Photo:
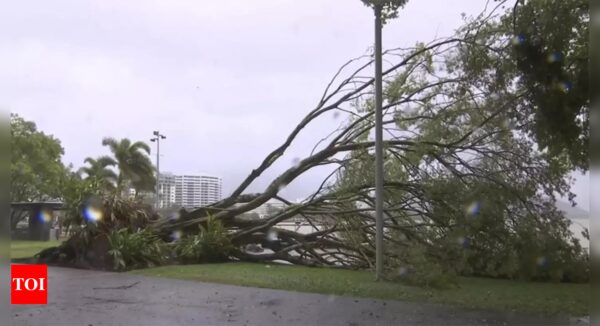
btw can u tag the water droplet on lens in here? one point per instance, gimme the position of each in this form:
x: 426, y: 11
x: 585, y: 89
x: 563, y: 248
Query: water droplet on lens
x: 296, y: 162
x: 554, y: 57
x: 135, y: 177
x: 45, y: 216
x: 473, y: 208
x: 509, y: 124
x: 518, y: 39
x: 176, y: 235
x: 173, y: 216
x: 272, y: 235
x: 92, y: 214
x: 565, y: 87
x: 403, y: 271
x: 542, y: 261
x: 464, y: 242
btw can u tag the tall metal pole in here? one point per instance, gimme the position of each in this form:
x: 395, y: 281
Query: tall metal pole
x: 157, y: 172
x: 378, y: 149
x: 157, y: 138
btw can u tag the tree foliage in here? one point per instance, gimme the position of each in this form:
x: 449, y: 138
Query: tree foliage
x: 75, y: 194
x: 134, y: 165
x: 547, y: 59
x: 36, y: 168
x: 99, y: 169
x: 389, y: 8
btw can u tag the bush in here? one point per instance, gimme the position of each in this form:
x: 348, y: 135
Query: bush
x: 109, y: 232
x: 211, y: 244
x: 538, y: 252
x: 135, y: 250
x: 414, y: 265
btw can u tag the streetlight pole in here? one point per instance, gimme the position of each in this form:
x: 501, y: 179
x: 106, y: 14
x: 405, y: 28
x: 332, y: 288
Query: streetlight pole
x: 378, y: 148
x: 157, y: 137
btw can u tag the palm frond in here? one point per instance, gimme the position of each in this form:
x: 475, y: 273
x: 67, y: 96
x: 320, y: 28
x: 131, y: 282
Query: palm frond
x: 90, y: 161
x: 140, y: 145
x: 110, y: 142
x: 106, y: 160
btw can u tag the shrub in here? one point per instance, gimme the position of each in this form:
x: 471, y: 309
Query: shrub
x: 211, y: 244
x: 135, y: 250
x: 539, y: 252
x: 415, y: 265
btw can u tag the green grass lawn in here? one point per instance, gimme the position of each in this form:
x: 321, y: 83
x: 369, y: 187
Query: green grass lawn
x: 27, y: 249
x: 481, y: 293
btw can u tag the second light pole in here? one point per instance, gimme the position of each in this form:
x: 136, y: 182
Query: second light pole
x: 157, y: 137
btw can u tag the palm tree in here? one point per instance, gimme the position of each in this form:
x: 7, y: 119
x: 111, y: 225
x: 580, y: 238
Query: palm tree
x: 100, y: 169
x: 135, y: 167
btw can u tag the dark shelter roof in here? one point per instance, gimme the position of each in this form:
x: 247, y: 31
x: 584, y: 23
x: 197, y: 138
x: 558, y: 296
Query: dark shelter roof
x: 53, y: 205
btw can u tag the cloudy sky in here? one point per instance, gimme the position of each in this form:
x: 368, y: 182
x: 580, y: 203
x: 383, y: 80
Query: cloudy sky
x: 223, y: 80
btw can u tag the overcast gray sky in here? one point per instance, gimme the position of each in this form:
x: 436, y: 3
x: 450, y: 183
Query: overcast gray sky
x: 224, y: 80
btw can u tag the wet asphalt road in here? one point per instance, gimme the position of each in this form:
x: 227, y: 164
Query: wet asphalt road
x: 81, y: 297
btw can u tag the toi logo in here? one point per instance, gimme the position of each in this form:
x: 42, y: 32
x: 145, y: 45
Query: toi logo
x: 29, y: 284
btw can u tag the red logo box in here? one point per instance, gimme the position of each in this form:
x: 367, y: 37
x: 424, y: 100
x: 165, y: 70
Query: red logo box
x: 29, y: 284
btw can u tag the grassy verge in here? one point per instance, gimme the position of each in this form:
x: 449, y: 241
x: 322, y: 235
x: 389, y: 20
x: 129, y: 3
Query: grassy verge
x: 27, y: 249
x: 480, y: 293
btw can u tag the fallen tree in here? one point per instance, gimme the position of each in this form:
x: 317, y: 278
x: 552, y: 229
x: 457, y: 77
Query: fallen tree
x: 466, y: 189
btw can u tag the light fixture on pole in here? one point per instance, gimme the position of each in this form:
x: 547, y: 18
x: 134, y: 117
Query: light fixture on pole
x: 157, y: 137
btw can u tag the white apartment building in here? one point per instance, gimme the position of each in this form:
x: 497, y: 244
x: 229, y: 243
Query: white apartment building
x: 166, y: 189
x: 189, y: 190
